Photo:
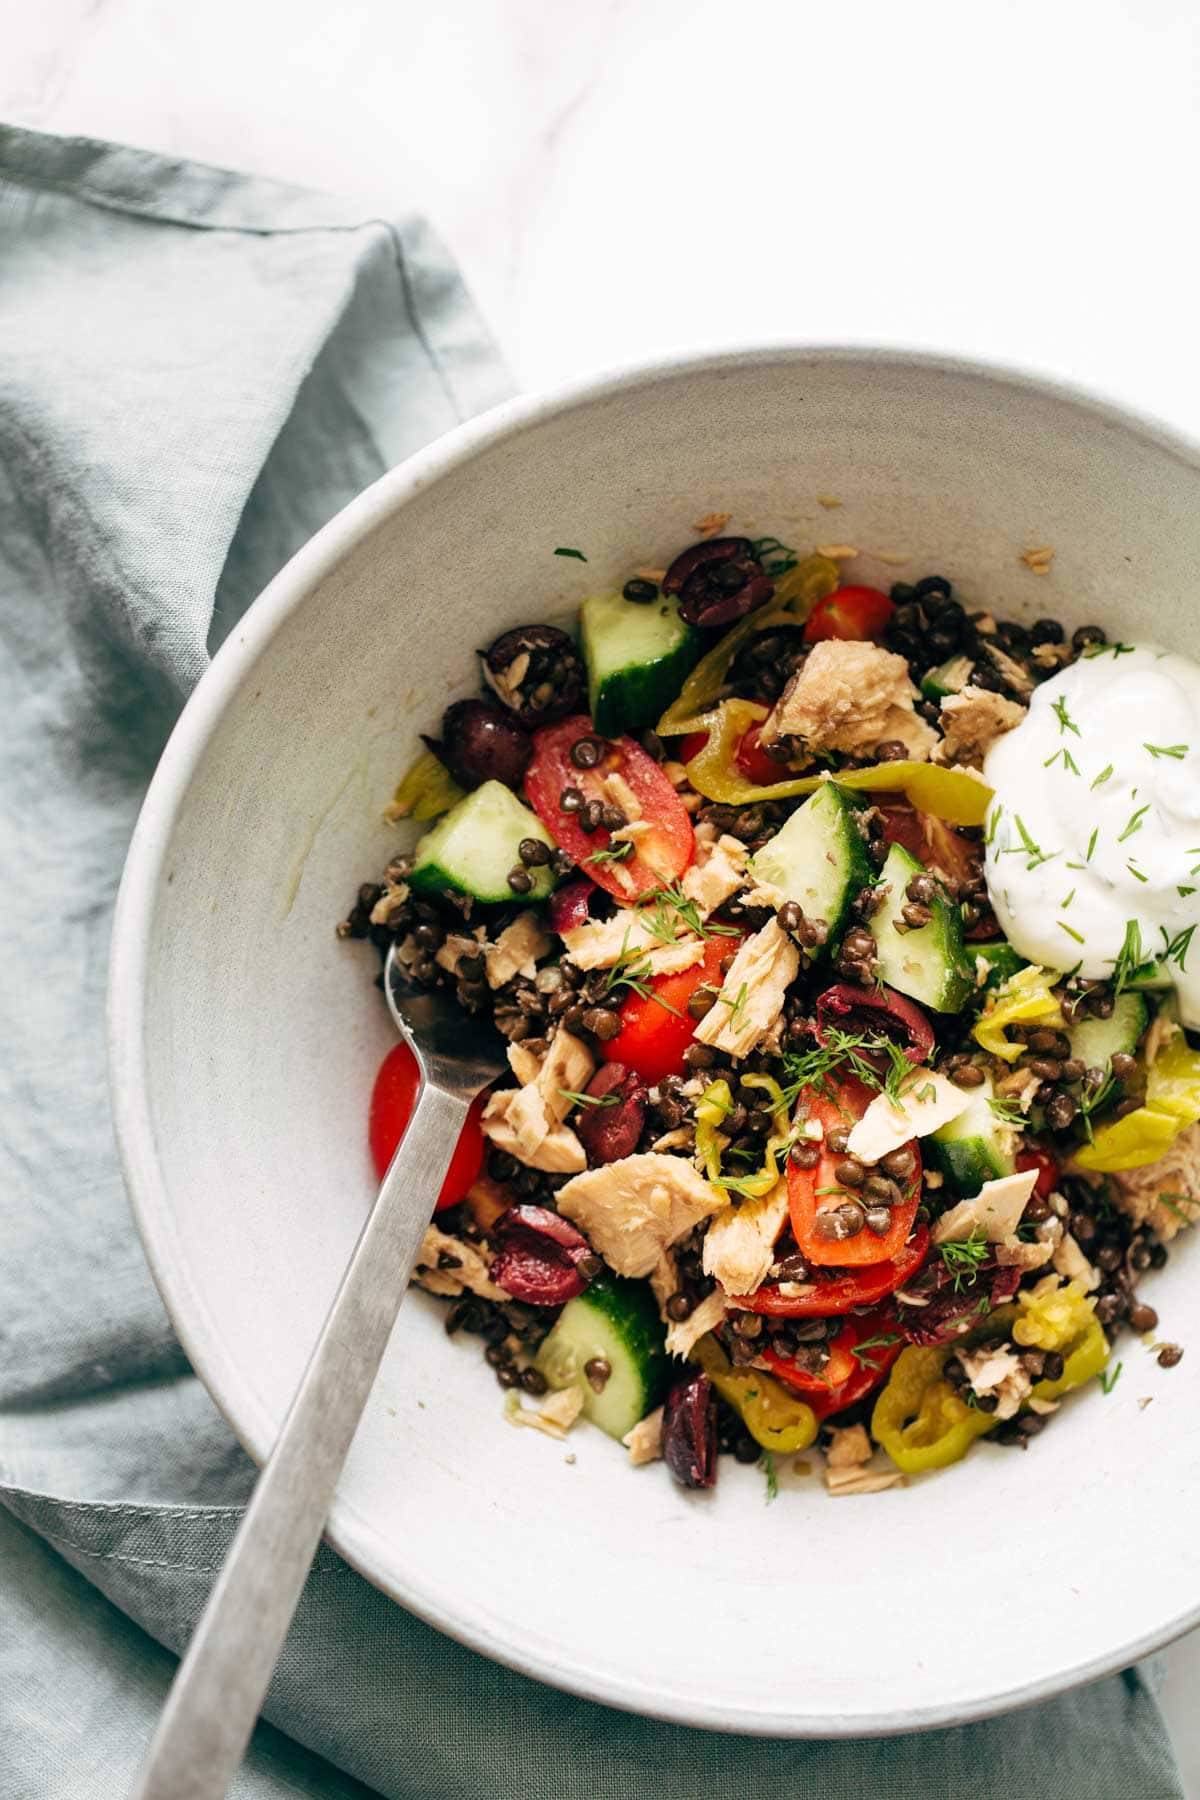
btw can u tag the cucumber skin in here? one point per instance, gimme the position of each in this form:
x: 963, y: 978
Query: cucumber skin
x: 967, y: 1163
x: 636, y: 695
x: 860, y: 873
x: 1002, y: 961
x: 612, y: 1307
x: 1096, y: 1041
x: 934, y: 687
x: 634, y: 698
x: 432, y: 877
x: 957, y: 985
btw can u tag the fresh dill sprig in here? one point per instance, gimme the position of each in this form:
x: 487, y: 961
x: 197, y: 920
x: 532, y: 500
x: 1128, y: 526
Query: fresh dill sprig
x: 1178, y: 751
x: 589, y: 1099
x: 1129, y: 958
x: 1134, y: 823
x: 767, y: 1459
x: 1107, y: 1380
x: 617, y: 852
x: 668, y: 912
x: 963, y: 1258
x: 1174, y: 1202
x: 880, y: 1342
x: 1178, y: 946
x: 1008, y: 1112
x: 1065, y: 721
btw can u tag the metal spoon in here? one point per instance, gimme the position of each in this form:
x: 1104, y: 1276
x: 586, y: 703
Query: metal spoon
x: 219, y: 1686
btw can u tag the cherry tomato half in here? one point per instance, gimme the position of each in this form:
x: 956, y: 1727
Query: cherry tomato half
x: 859, y: 1357
x: 849, y: 612
x: 1034, y: 1157
x: 828, y: 1296
x: 662, y: 853
x: 810, y: 1191
x: 392, y: 1100
x: 656, y: 1028
x: 750, y: 758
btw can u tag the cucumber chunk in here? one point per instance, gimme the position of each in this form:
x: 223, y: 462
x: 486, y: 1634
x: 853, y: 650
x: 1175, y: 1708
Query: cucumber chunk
x: 1096, y: 1041
x: 618, y: 1321
x: 473, y: 848
x: 976, y: 1146
x: 637, y: 658
x: 929, y: 963
x: 949, y: 677
x: 818, y: 858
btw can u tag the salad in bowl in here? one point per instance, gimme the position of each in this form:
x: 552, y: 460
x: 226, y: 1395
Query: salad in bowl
x: 840, y: 939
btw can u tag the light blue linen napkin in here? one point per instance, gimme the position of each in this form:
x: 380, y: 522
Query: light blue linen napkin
x: 196, y: 370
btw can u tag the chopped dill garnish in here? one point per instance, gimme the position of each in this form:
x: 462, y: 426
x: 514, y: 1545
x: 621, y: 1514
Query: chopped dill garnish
x: 1178, y: 751
x: 589, y: 1099
x: 1091, y: 845
x: 1129, y: 957
x: 880, y: 1342
x: 1065, y: 903
x: 1065, y: 721
x: 615, y: 852
x: 737, y: 1005
x: 1135, y: 822
x: 1102, y: 777
x: 776, y: 558
x: 577, y: 554
x: 1174, y: 1201
x: 1136, y: 872
x: 1070, y: 931
x: 767, y: 1459
x: 1185, y: 892
x: 964, y: 1257
x: 1068, y: 760
x: 668, y: 911
x: 1115, y: 650
x: 1108, y: 1380
x: 1008, y: 1112
x: 1178, y: 946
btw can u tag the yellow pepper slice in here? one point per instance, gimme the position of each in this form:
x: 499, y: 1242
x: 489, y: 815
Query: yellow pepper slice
x: 714, y: 1104
x: 948, y: 794
x: 796, y: 593
x: 1088, y: 1357
x: 1172, y: 1104
x: 754, y: 1187
x: 774, y: 1416
x: 1022, y: 999
x: 1053, y: 1317
x: 426, y: 791
x: 919, y: 1419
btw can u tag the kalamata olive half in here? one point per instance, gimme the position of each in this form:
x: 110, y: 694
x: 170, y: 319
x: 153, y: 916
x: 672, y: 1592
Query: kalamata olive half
x: 875, y: 1012
x: 479, y: 743
x: 718, y: 581
x: 689, y: 1440
x: 610, y: 1127
x: 571, y: 904
x: 537, y: 1256
x: 536, y: 672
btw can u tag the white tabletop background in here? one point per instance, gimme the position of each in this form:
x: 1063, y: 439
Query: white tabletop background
x: 1014, y: 180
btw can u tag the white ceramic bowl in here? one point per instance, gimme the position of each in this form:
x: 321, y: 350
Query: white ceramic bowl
x: 245, y: 1037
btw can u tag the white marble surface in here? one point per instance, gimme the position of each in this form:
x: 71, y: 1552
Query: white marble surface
x: 621, y: 176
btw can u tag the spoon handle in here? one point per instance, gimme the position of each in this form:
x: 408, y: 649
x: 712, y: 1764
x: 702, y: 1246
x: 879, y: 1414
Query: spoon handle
x: 219, y: 1686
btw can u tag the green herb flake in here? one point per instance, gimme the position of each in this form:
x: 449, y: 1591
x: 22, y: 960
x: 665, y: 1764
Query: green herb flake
x: 1108, y: 1378
x: 1065, y: 903
x: 1129, y: 957
x: 1185, y: 892
x: 577, y: 554
x: 1065, y: 721
x: 1135, y: 822
x: 589, y: 1099
x: 1070, y: 931
x: 1178, y: 751
x: 1102, y: 777
x: 963, y: 1257
x: 615, y: 853
x: 1175, y: 1202
x: 1178, y: 946
x: 1008, y: 1113
x: 1092, y: 845
x: 879, y: 1342
x: 767, y: 1461
x: 1136, y: 872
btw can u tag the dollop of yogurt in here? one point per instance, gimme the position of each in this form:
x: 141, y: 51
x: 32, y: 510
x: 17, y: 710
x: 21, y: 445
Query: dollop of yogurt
x: 1093, y: 832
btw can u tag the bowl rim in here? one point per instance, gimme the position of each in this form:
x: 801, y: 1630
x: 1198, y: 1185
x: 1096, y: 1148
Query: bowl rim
x: 355, y: 1541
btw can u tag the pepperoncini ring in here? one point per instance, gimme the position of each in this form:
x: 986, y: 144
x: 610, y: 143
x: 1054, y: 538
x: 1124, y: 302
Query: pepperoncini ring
x: 714, y: 1104
x: 919, y: 1419
x: 1021, y: 1000
x: 774, y: 1416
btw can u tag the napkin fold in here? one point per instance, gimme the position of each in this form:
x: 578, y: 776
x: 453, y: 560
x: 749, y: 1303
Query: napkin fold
x: 197, y: 369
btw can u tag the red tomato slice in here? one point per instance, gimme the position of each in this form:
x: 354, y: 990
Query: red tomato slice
x: 849, y: 612
x: 1034, y: 1157
x: 656, y: 1029
x: 662, y: 853
x: 929, y: 839
x: 751, y: 760
x: 392, y: 1100
x: 828, y: 1296
x: 846, y: 1377
x: 810, y: 1191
